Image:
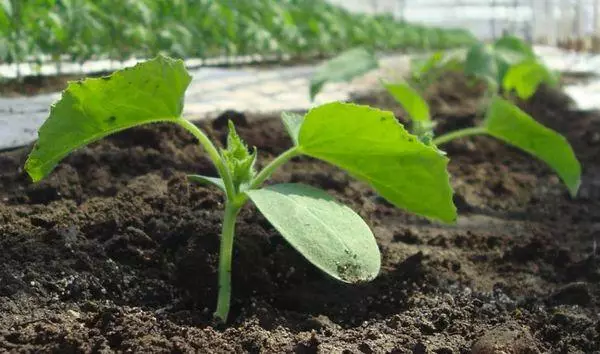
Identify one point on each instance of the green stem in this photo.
(213, 154)
(268, 170)
(225, 256)
(442, 139)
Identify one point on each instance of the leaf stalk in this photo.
(442, 139)
(213, 154)
(268, 170)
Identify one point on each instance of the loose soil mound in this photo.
(115, 251)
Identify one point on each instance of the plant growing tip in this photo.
(368, 143)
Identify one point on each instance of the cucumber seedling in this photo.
(367, 143)
(506, 65)
(509, 64)
(504, 121)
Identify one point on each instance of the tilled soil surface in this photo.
(115, 251)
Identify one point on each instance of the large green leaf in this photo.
(329, 234)
(344, 67)
(508, 123)
(94, 108)
(373, 147)
(411, 101)
(525, 78)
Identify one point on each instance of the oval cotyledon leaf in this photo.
(327, 233)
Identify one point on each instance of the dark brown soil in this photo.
(115, 251)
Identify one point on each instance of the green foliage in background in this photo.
(356, 62)
(120, 29)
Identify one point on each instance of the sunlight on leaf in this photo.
(373, 147)
(96, 107)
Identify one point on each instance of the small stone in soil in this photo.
(506, 338)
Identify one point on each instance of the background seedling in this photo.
(504, 121)
(358, 61)
(368, 143)
(509, 64)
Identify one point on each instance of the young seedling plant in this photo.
(504, 121)
(508, 65)
(367, 143)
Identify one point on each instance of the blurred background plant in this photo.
(36, 31)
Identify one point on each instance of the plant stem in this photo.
(225, 256)
(268, 170)
(442, 139)
(232, 208)
(213, 154)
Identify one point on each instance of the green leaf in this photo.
(422, 66)
(481, 63)
(510, 124)
(410, 100)
(515, 45)
(292, 122)
(96, 107)
(329, 234)
(6, 12)
(525, 78)
(437, 63)
(344, 67)
(373, 147)
(491, 62)
(215, 181)
(509, 51)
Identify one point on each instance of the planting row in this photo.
(32, 30)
